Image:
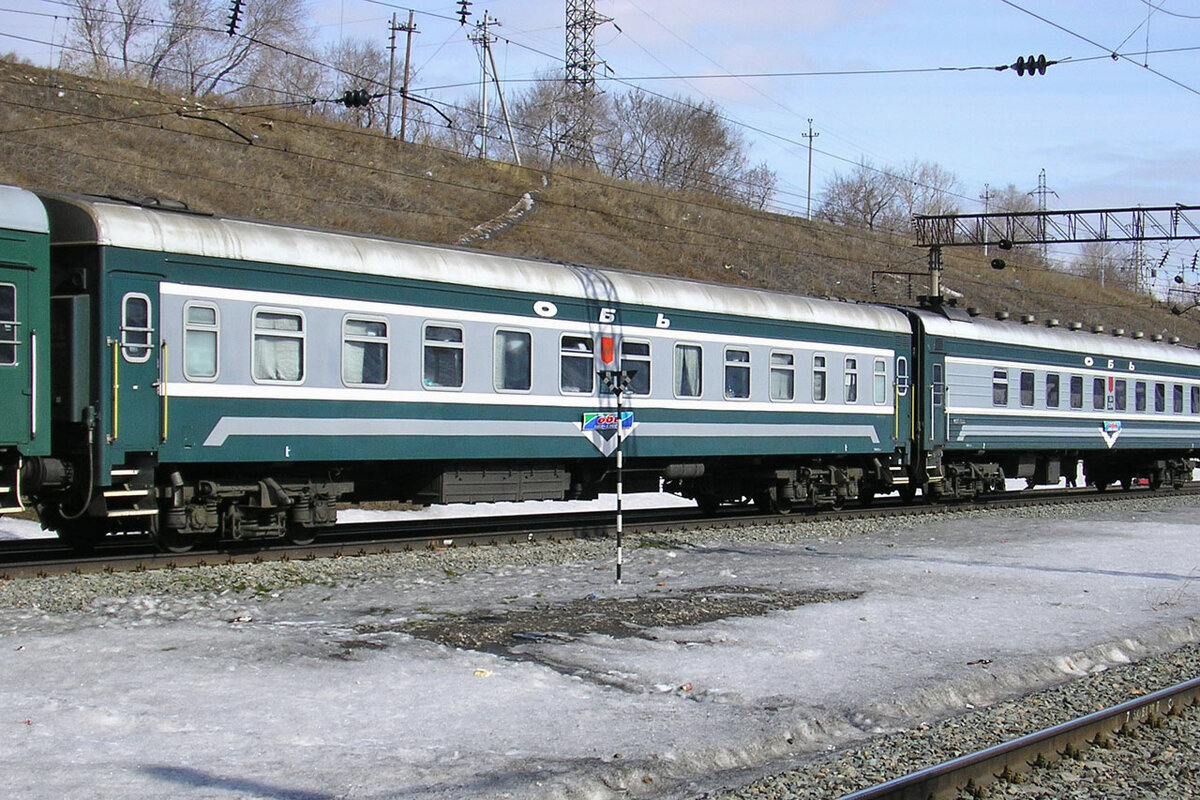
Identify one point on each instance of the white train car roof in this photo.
(90, 220)
(980, 329)
(21, 210)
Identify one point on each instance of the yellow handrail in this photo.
(116, 384)
(162, 383)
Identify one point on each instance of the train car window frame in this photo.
(1027, 388)
(1053, 389)
(1139, 396)
(1000, 387)
(937, 387)
(737, 373)
(1160, 398)
(9, 325)
(782, 379)
(850, 379)
(575, 363)
(137, 340)
(1121, 394)
(688, 381)
(1177, 398)
(368, 343)
(1098, 394)
(195, 331)
(879, 381)
(820, 378)
(638, 362)
(509, 361)
(444, 352)
(1075, 390)
(277, 336)
(1195, 393)
(902, 376)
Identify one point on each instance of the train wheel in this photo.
(708, 503)
(768, 500)
(170, 540)
(908, 493)
(1127, 483)
(301, 536)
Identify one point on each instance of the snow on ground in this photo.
(317, 692)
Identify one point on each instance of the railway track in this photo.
(34, 557)
(971, 774)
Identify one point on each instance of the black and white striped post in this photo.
(618, 381)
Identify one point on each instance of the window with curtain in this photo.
(364, 352)
(577, 365)
(688, 367)
(850, 378)
(820, 377)
(512, 361)
(737, 374)
(444, 352)
(278, 346)
(783, 376)
(635, 356)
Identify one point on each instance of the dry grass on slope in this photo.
(70, 133)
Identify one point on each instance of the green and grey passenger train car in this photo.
(239, 379)
(1007, 400)
(24, 338)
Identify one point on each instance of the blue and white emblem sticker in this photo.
(1110, 432)
(601, 428)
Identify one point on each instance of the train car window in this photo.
(737, 374)
(8, 325)
(635, 358)
(689, 364)
(1139, 396)
(938, 389)
(512, 361)
(850, 378)
(578, 365)
(879, 382)
(901, 376)
(364, 352)
(136, 331)
(201, 332)
(444, 353)
(1195, 399)
(999, 387)
(1076, 391)
(1098, 394)
(1160, 397)
(1027, 389)
(1177, 399)
(1120, 394)
(820, 375)
(783, 376)
(1052, 383)
(278, 346)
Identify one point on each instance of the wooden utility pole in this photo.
(409, 29)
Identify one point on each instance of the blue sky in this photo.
(1108, 133)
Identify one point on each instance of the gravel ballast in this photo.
(794, 660)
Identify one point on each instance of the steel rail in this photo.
(1010, 758)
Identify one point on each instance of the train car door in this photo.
(24, 325)
(134, 356)
(937, 425)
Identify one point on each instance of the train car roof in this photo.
(92, 220)
(21, 210)
(980, 329)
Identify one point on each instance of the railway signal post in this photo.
(618, 380)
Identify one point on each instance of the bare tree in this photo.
(865, 198)
(1107, 263)
(358, 65)
(184, 44)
